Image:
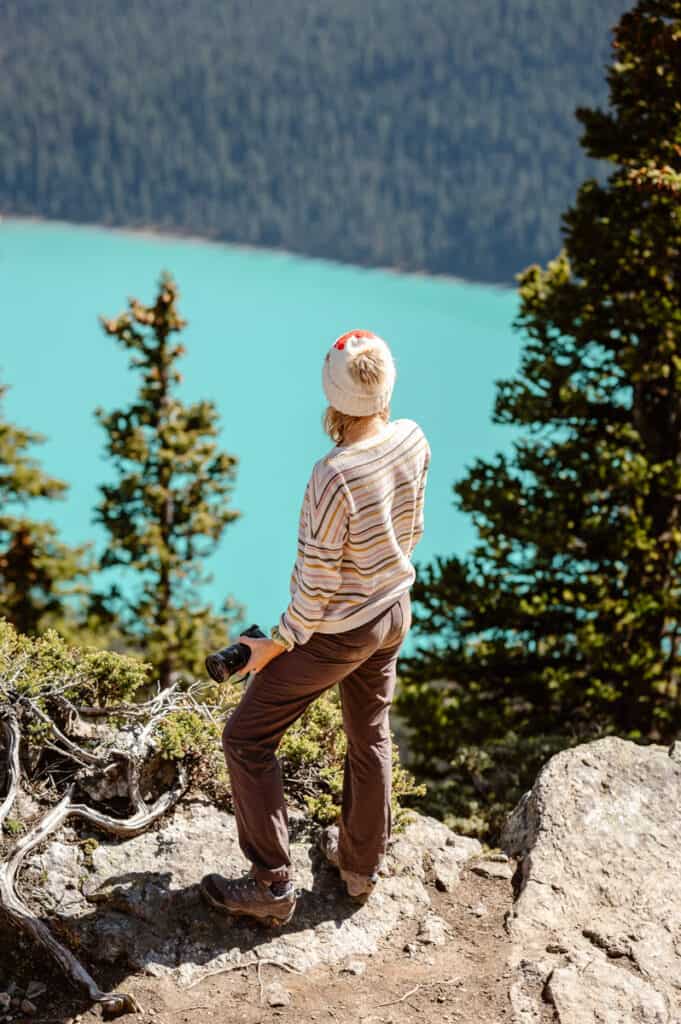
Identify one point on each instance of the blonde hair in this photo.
(336, 424)
(366, 367)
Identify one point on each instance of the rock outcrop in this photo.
(137, 904)
(596, 919)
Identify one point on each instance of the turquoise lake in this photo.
(259, 325)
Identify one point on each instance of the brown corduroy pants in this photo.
(363, 662)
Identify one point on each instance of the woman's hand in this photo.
(263, 650)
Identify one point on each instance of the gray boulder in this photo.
(596, 919)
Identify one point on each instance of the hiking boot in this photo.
(272, 903)
(359, 887)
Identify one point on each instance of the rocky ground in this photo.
(576, 920)
(433, 968)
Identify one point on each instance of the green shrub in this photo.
(313, 756)
(34, 666)
(312, 751)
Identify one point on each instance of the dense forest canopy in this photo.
(438, 136)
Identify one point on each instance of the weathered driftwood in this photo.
(10, 728)
(143, 816)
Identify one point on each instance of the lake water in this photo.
(259, 325)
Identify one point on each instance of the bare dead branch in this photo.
(141, 820)
(19, 913)
(149, 708)
(10, 728)
(69, 745)
(401, 999)
(254, 962)
(133, 778)
(130, 760)
(145, 719)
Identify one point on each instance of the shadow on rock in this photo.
(140, 922)
(136, 905)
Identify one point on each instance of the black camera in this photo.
(225, 663)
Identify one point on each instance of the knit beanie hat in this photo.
(346, 392)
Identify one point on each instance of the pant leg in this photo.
(366, 697)
(274, 698)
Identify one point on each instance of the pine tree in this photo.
(563, 623)
(38, 573)
(168, 508)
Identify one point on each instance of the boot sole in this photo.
(267, 920)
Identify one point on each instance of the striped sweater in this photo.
(361, 517)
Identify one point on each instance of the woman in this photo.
(350, 610)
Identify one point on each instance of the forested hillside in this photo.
(437, 136)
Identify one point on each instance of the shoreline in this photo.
(156, 234)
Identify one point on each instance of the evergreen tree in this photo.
(168, 508)
(38, 573)
(563, 623)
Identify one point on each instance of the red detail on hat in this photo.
(340, 344)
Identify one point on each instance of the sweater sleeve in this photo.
(420, 503)
(316, 576)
